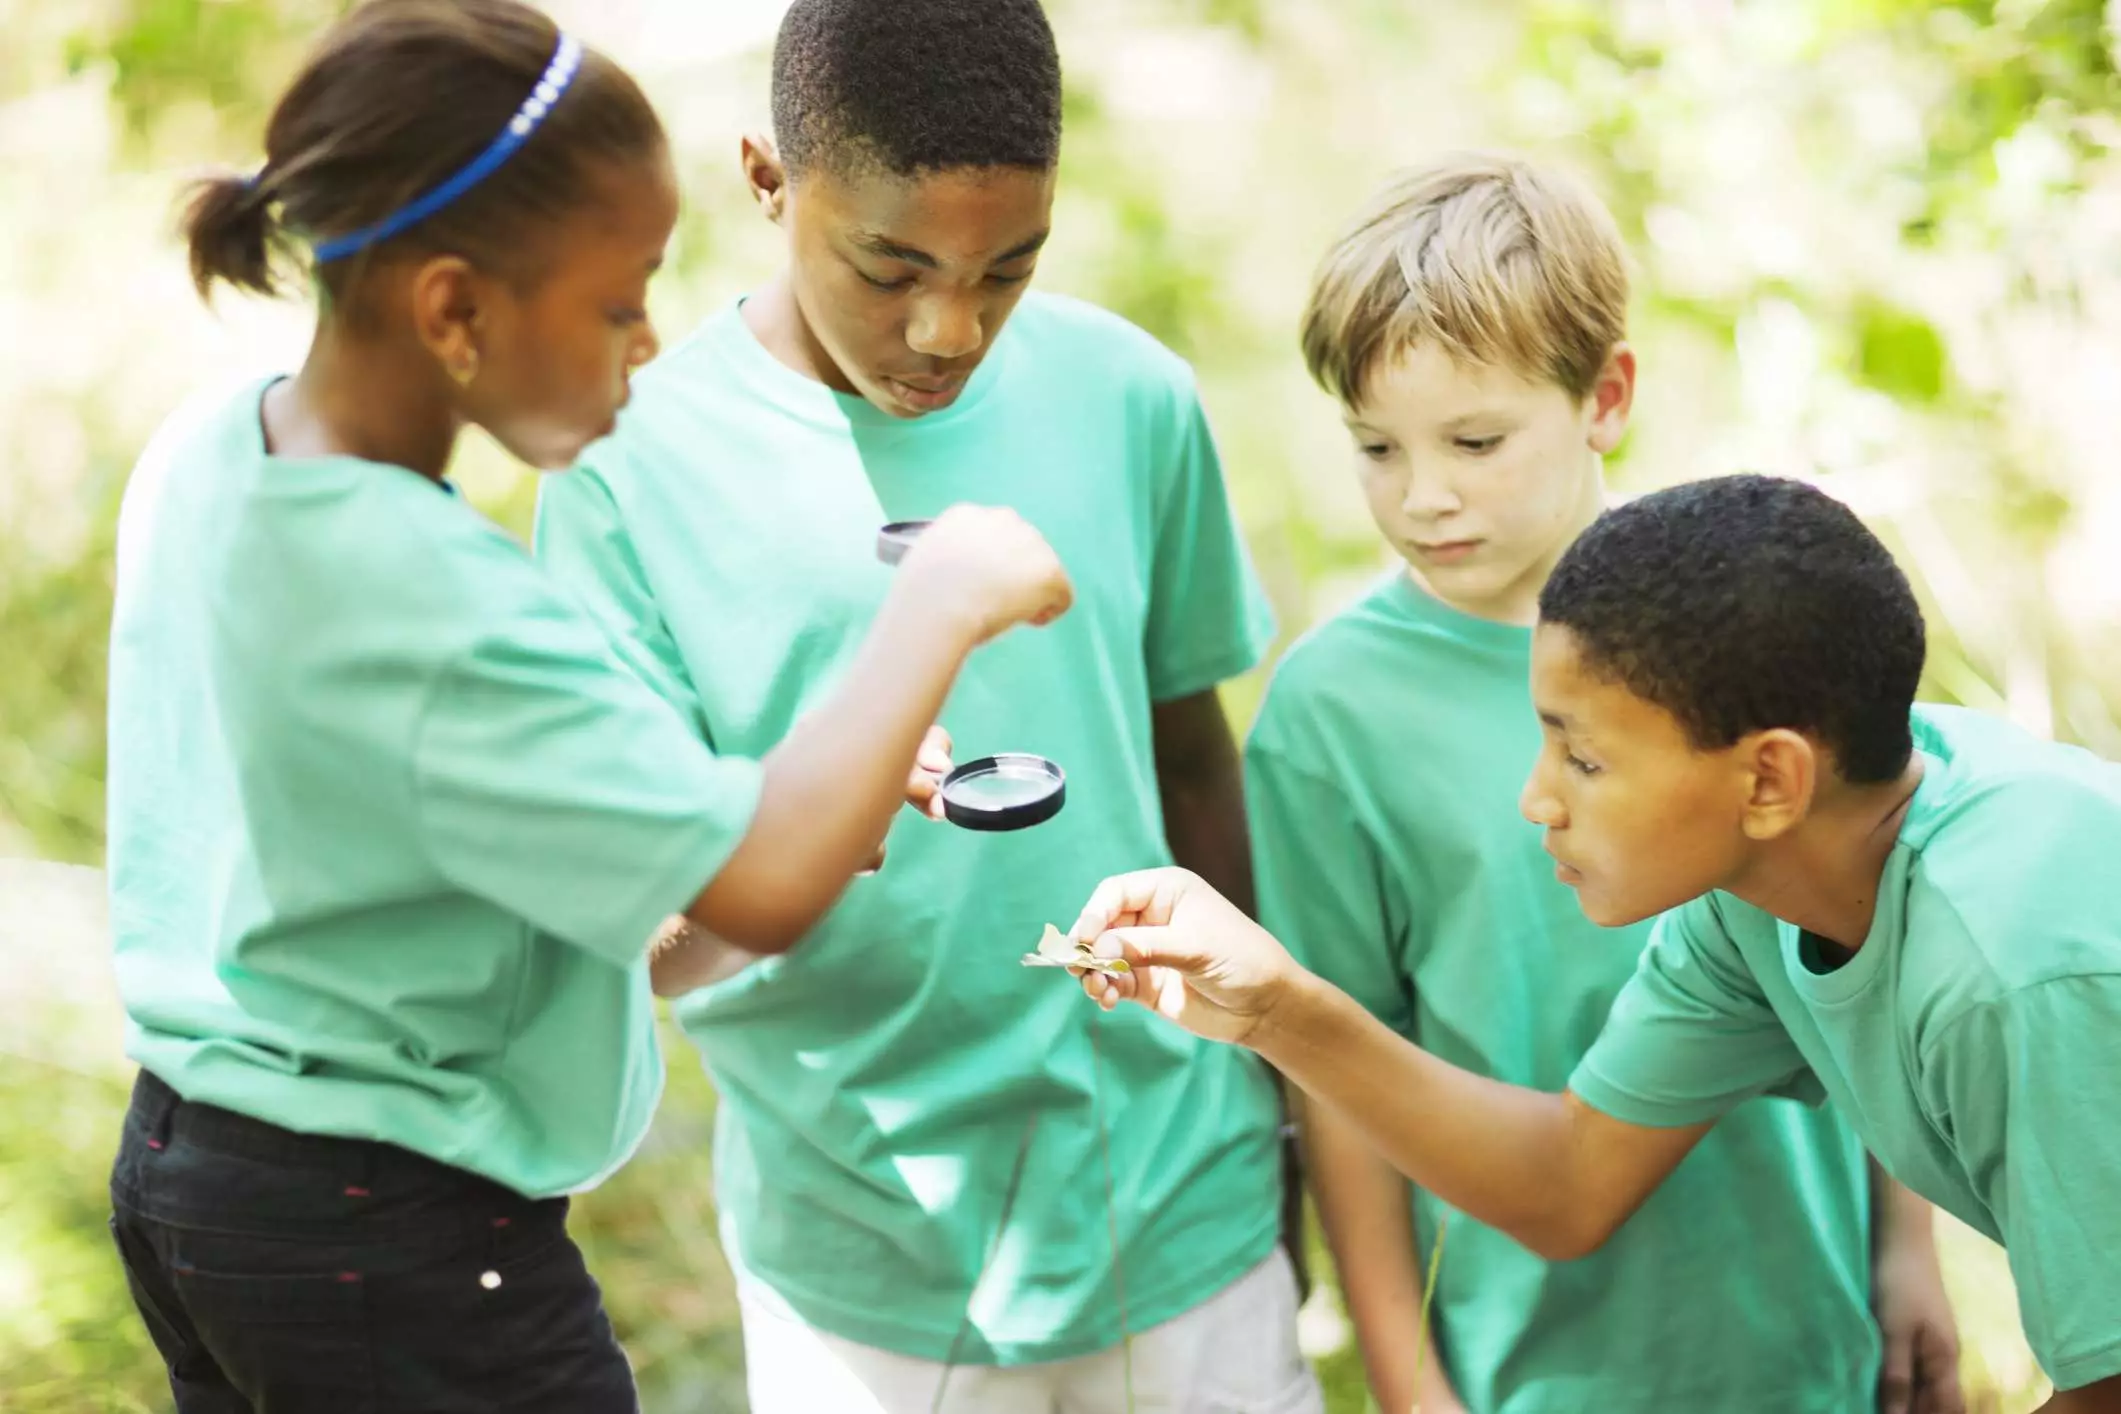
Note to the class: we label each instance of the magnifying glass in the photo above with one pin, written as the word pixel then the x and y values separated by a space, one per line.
pixel 895 539
pixel 1010 791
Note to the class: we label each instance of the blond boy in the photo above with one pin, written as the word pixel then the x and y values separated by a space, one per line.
pixel 1472 323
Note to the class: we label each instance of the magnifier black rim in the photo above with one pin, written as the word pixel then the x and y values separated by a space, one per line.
pixel 895 539
pixel 1020 816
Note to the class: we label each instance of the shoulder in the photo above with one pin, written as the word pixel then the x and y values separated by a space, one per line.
pixel 1093 341
pixel 683 403
pixel 205 430
pixel 2013 857
pixel 1307 698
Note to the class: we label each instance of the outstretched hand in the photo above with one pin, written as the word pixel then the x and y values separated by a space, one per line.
pixel 1195 959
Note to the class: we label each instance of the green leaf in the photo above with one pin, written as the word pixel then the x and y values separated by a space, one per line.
pixel 1899 353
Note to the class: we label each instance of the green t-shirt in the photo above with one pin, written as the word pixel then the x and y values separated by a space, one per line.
pixel 1974 1039
pixel 390 826
pixel 1383 776
pixel 879 1080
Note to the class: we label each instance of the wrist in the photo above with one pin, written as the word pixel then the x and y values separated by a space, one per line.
pixel 1297 1013
pixel 939 610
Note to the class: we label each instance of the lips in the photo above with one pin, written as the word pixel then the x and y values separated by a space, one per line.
pixel 1446 551
pixel 1566 872
pixel 925 394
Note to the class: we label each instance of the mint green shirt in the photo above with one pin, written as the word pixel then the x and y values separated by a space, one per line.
pixel 389 825
pixel 1974 1040
pixel 879 1082
pixel 1383 776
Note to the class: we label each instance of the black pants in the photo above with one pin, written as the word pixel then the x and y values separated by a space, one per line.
pixel 285 1273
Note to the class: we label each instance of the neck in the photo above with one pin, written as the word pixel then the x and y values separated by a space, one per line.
pixel 1823 876
pixel 361 397
pixel 775 319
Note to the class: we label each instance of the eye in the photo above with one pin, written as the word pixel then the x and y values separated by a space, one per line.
pixel 1375 451
pixel 1477 446
pixel 904 282
pixel 998 278
pixel 627 318
pixel 1577 764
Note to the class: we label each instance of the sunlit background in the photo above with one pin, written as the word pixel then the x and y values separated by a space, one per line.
pixel 1877 242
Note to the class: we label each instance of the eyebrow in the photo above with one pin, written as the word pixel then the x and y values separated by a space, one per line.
pixel 877 244
pixel 1488 416
pixel 1555 720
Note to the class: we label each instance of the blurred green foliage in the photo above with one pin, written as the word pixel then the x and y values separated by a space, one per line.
pixel 1873 237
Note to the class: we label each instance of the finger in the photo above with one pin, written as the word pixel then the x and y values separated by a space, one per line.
pixel 925 794
pixel 1148 947
pixel 1126 899
pixel 1100 988
pixel 1938 1372
pixel 934 755
pixel 1896 1374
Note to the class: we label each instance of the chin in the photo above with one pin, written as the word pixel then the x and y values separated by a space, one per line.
pixel 1608 912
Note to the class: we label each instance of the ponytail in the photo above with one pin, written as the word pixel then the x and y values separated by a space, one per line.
pixel 229 228
pixel 458 126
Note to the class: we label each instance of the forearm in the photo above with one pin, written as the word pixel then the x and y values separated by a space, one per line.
pixel 1902 1220
pixel 1201 785
pixel 1363 1206
pixel 2101 1398
pixel 833 784
pixel 1543 1168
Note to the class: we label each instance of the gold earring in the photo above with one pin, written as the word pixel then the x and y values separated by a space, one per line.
pixel 466 370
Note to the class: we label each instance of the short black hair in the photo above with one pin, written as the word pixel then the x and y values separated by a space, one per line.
pixel 916 86
pixel 1744 603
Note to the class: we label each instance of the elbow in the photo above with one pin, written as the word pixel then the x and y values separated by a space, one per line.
pixel 763 915
pixel 1567 1237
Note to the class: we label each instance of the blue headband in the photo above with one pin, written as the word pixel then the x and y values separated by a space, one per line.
pixel 566 61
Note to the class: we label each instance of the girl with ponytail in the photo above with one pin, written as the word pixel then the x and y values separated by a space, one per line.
pixel 390 827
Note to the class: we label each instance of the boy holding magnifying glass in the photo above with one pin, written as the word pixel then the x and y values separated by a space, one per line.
pixel 939 1187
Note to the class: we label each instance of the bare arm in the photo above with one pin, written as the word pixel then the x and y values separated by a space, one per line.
pixel 1202 786
pixel 2101 1398
pixel 831 786
pixel 1362 1202
pixel 1555 1174
pixel 1919 1373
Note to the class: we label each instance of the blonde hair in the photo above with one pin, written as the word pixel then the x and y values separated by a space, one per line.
pixel 1497 260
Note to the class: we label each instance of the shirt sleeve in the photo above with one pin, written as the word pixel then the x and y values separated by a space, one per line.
pixel 1208 619
pixel 1691 1035
pixel 580 536
pixel 2023 1087
pixel 1322 885
pixel 551 781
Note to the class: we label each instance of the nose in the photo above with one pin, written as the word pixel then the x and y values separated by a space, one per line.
pixel 1537 802
pixel 945 326
pixel 1429 494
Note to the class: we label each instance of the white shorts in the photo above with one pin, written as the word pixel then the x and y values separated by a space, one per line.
pixel 1235 1353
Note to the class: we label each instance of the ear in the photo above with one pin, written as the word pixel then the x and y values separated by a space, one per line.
pixel 764 174
pixel 448 313
pixel 1784 775
pixel 1612 397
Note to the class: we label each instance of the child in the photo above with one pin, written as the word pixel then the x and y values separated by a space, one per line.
pixel 1471 323
pixel 389 826
pixel 912 1162
pixel 1911 912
